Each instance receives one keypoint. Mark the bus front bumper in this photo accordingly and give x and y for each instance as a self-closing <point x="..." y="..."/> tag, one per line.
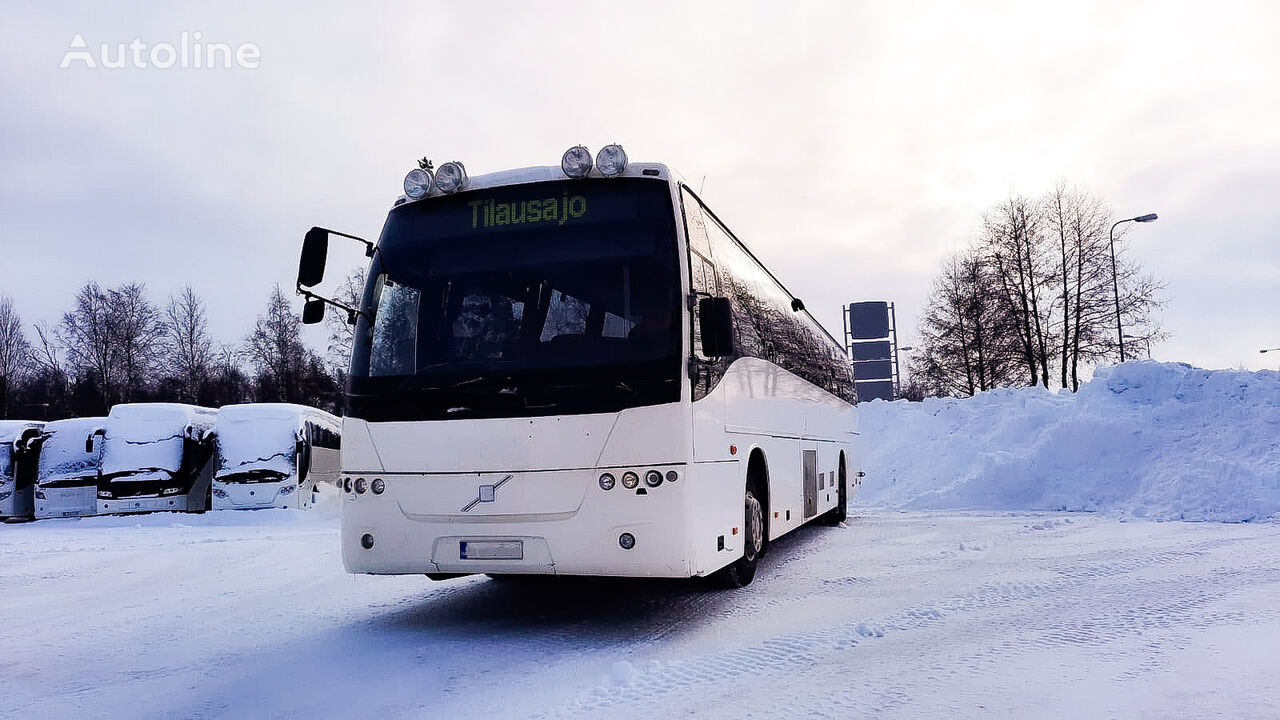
<point x="573" y="527"/>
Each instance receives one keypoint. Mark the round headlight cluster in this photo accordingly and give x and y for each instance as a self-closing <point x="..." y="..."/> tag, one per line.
<point x="361" y="486"/>
<point x="631" y="479"/>
<point x="378" y="486"/>
<point x="576" y="162"/>
<point x="417" y="184"/>
<point x="611" y="160"/>
<point x="451" y="177"/>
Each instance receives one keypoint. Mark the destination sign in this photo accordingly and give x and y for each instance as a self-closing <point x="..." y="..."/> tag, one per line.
<point x="489" y="213"/>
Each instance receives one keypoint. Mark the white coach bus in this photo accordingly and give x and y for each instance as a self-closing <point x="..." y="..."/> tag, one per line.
<point x="67" y="474"/>
<point x="17" y="467"/>
<point x="156" y="456"/>
<point x="273" y="454"/>
<point x="579" y="370"/>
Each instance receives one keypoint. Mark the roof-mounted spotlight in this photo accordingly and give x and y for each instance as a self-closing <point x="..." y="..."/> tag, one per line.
<point x="451" y="177"/>
<point x="611" y="160"/>
<point x="576" y="161"/>
<point x="417" y="184"/>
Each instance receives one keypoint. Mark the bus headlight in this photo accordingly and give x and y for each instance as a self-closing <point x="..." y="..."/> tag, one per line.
<point x="672" y="476"/>
<point x="361" y="486"/>
<point x="378" y="486"/>
<point x="219" y="493"/>
<point x="451" y="177"/>
<point x="630" y="480"/>
<point x="171" y="491"/>
<point x="417" y="184"/>
<point x="653" y="478"/>
<point x="287" y="489"/>
<point x="576" y="162"/>
<point x="611" y="160"/>
<point x="607" y="481"/>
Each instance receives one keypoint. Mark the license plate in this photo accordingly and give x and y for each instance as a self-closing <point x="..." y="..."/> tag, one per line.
<point x="491" y="550"/>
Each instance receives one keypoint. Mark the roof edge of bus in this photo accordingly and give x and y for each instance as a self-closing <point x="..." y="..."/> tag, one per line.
<point x="545" y="173"/>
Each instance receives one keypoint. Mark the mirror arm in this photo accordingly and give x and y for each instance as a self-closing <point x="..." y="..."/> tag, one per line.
<point x="368" y="246"/>
<point x="352" y="313"/>
<point x="691" y="301"/>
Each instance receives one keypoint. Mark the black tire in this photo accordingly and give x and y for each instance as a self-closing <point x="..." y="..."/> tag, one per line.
<point x="743" y="570"/>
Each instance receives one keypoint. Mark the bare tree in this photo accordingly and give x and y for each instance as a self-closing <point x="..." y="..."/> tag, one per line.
<point x="1032" y="296"/>
<point x="86" y="337"/>
<point x="137" y="332"/>
<point x="15" y="353"/>
<point x="1013" y="238"/>
<point x="342" y="332"/>
<point x="188" y="346"/>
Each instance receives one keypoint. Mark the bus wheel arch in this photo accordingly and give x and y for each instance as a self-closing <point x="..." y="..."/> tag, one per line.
<point x="757" y="481"/>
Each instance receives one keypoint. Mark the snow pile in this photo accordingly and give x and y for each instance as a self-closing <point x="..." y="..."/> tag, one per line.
<point x="148" y="436"/>
<point x="1144" y="439"/>
<point x="62" y="454"/>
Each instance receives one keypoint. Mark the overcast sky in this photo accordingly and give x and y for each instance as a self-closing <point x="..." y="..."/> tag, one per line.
<point x="851" y="145"/>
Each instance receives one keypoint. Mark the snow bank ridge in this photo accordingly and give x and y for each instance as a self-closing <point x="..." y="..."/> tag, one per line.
<point x="1164" y="441"/>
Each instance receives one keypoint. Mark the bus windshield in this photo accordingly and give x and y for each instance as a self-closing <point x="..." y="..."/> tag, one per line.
<point x="544" y="298"/>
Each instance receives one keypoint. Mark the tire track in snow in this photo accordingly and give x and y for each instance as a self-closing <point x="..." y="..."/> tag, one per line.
<point x="1078" y="579"/>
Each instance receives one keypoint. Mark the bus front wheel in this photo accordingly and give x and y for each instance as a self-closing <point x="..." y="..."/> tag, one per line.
<point x="743" y="570"/>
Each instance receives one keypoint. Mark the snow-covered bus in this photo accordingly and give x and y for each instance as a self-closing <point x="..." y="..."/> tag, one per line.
<point x="67" y="471"/>
<point x="579" y="370"/>
<point x="156" y="456"/>
<point x="273" y="455"/>
<point x="17" y="467"/>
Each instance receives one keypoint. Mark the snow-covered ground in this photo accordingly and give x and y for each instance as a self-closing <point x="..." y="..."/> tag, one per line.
<point x="249" y="614"/>
<point x="1006" y="611"/>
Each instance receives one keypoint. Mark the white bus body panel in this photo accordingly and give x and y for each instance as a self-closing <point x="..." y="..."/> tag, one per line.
<point x="15" y="502"/>
<point x="548" y="496"/>
<point x="61" y="502"/>
<point x="134" y="432"/>
<point x="255" y="436"/>
<point x="554" y="506"/>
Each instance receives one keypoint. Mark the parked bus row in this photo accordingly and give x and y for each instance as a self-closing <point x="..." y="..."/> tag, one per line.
<point x="147" y="457"/>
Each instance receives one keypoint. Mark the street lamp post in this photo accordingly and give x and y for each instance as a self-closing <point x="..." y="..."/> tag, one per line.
<point x="1115" y="277"/>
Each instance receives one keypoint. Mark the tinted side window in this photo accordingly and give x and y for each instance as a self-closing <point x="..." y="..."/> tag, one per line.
<point x="704" y="280"/>
<point x="766" y="327"/>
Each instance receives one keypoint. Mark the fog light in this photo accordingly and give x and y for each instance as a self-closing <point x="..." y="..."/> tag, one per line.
<point x="672" y="476"/>
<point x="630" y="480"/>
<point x="361" y="486"/>
<point x="625" y="540"/>
<point x="611" y="160"/>
<point x="378" y="486"/>
<point x="576" y="162"/>
<point x="417" y="184"/>
<point x="653" y="478"/>
<point x="606" y="482"/>
<point x="451" y="177"/>
<point x="366" y="541"/>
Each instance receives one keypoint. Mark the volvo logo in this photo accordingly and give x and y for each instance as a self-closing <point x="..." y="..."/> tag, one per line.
<point x="485" y="493"/>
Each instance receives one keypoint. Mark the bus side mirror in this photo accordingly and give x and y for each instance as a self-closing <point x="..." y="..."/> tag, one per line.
<point x="89" y="441"/>
<point x="312" y="311"/>
<point x="797" y="304"/>
<point x="315" y="250"/>
<point x="715" y="321"/>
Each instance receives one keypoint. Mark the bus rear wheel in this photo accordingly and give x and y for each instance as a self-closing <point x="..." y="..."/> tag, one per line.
<point x="743" y="570"/>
